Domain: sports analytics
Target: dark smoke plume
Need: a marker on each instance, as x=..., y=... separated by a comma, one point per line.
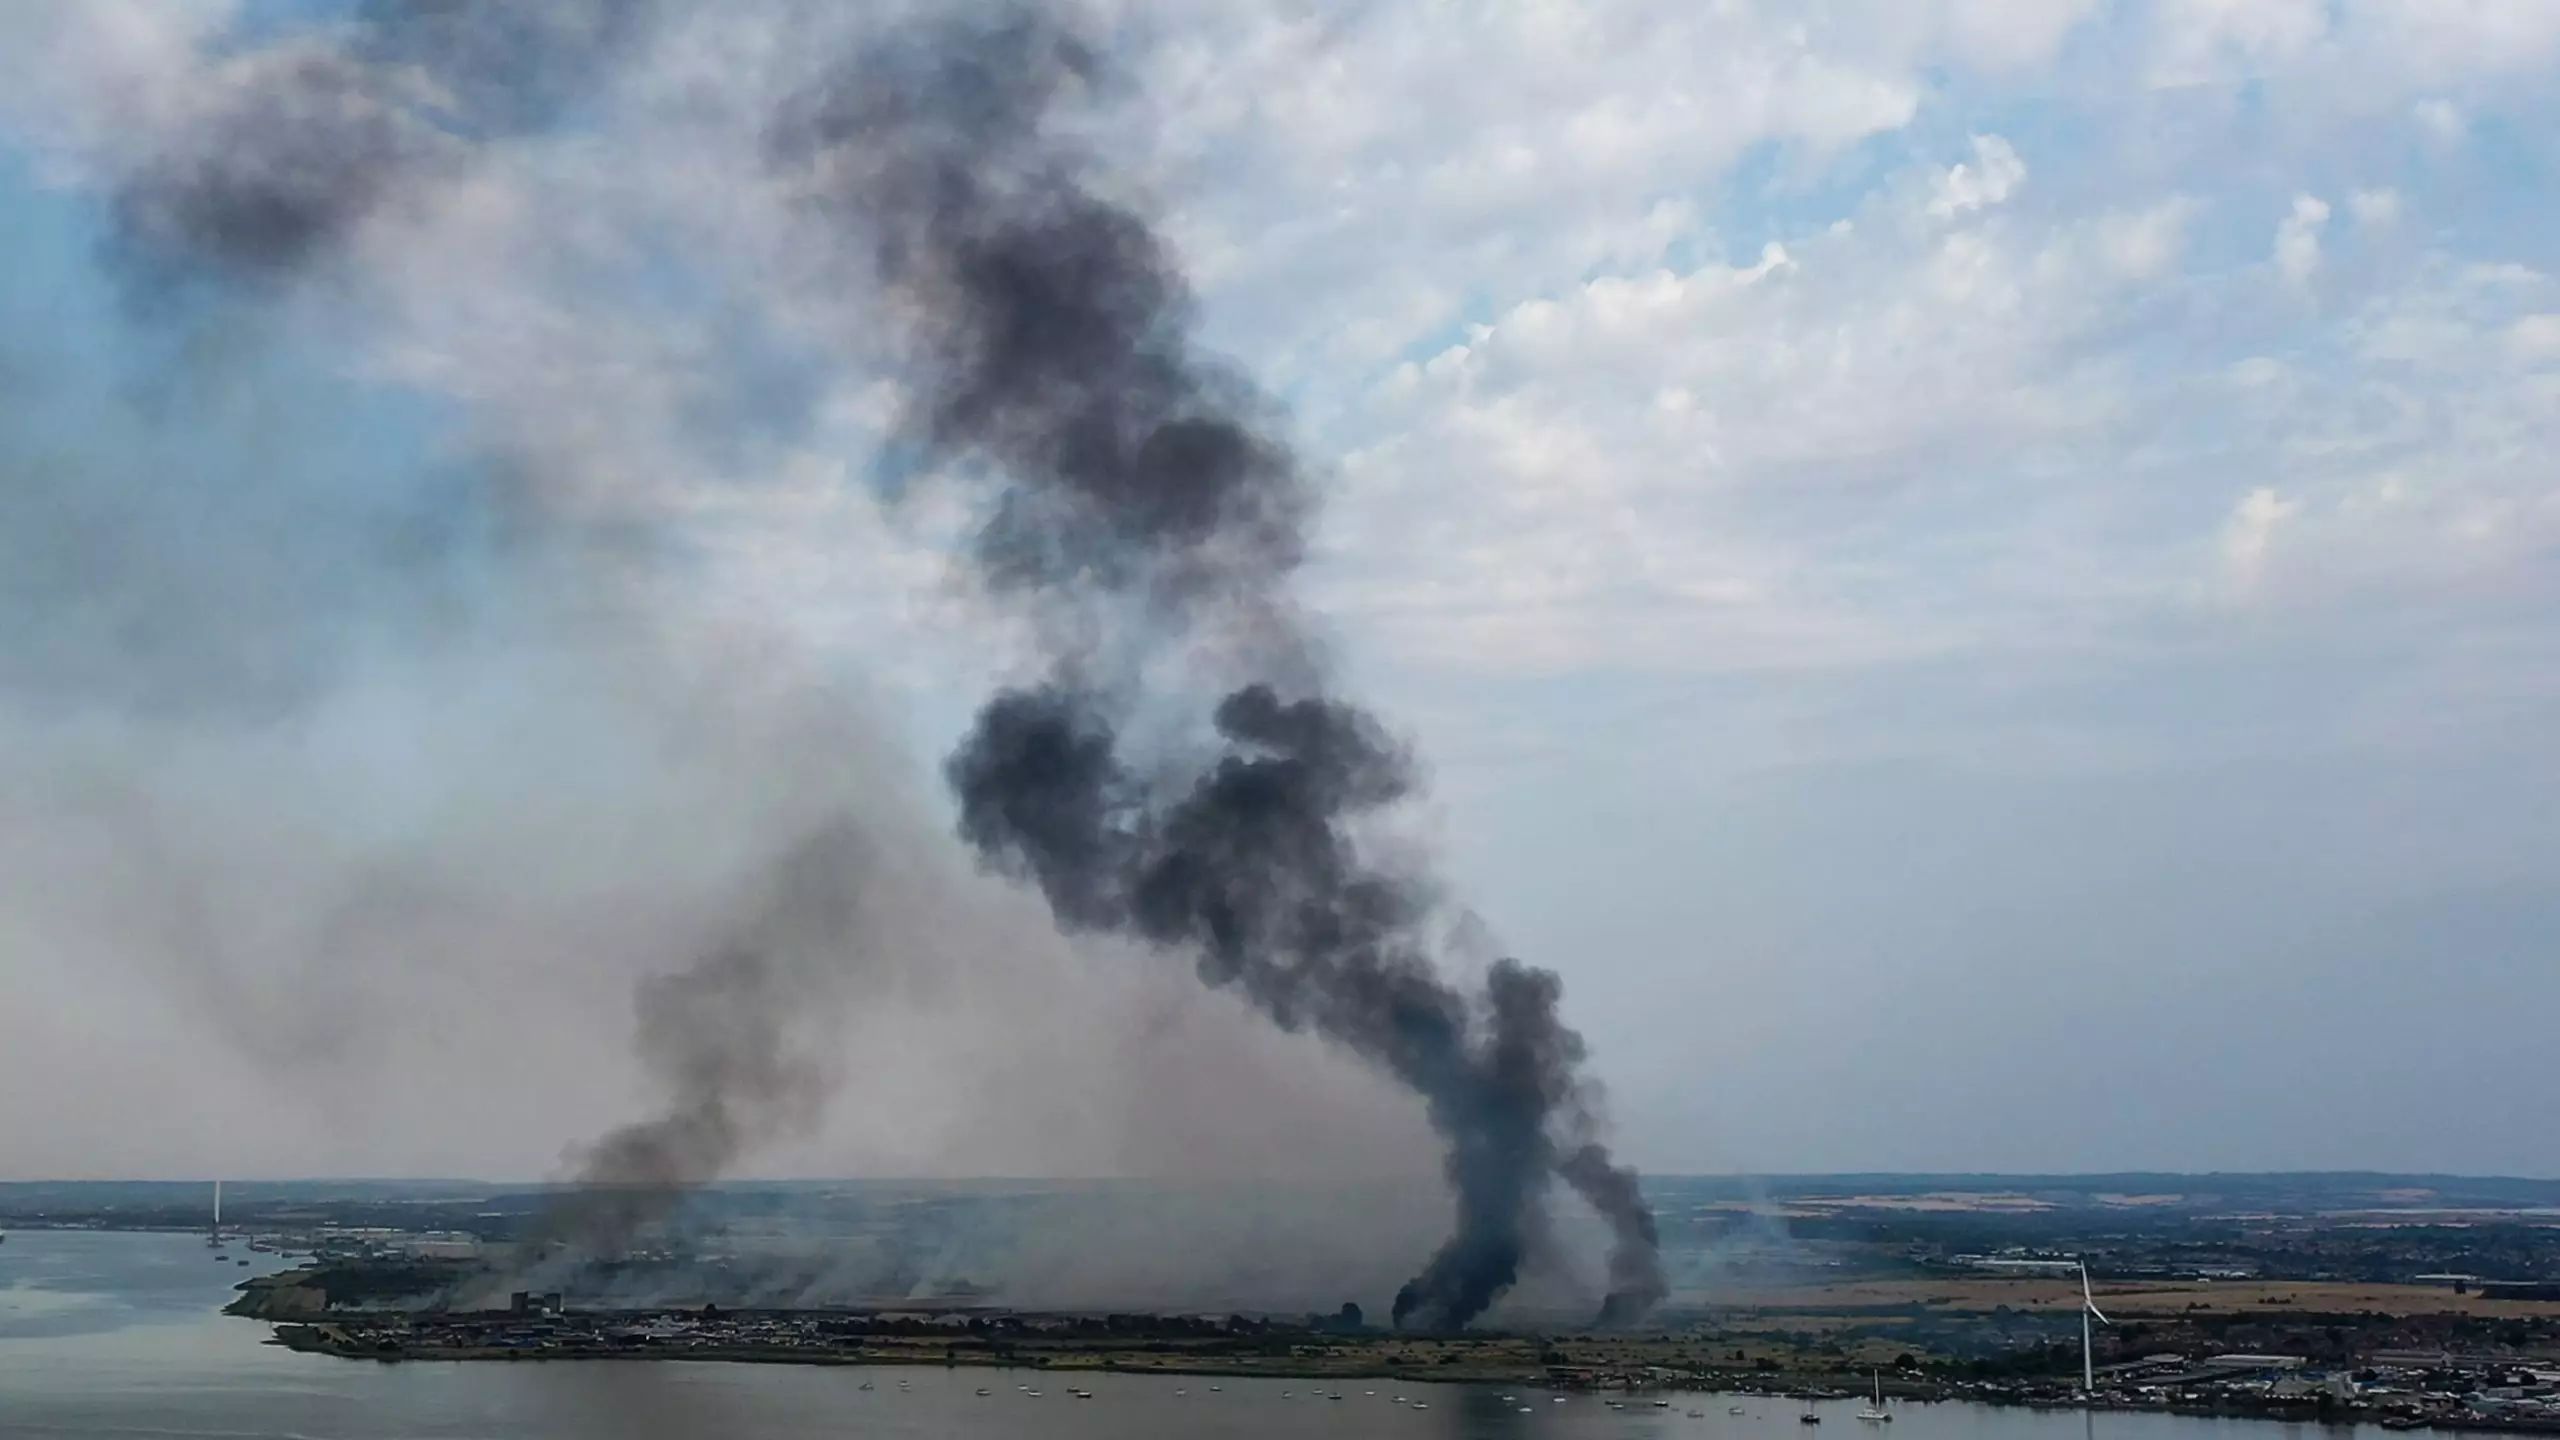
x=724, y=1038
x=300, y=141
x=1140, y=500
x=1138, y=485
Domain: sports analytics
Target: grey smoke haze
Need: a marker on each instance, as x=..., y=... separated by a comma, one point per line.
x=298, y=141
x=305, y=139
x=728, y=1038
x=1141, y=499
x=801, y=906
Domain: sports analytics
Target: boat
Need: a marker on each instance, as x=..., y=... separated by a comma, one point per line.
x=1418, y=1405
x=1733, y=1409
x=1875, y=1413
x=865, y=1385
x=1808, y=1417
x=1697, y=1414
x=1661, y=1404
x=985, y=1391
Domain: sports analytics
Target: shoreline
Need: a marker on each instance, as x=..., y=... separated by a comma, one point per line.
x=337, y=1341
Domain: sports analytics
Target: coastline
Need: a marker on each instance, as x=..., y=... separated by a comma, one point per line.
x=339, y=1340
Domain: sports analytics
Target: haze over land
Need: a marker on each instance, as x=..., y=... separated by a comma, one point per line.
x=1977, y=577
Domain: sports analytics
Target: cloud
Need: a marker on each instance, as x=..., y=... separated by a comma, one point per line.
x=2251, y=532
x=2375, y=207
x=2297, y=252
x=1723, y=370
x=2013, y=34
x=2440, y=120
x=2211, y=39
x=2145, y=244
x=1993, y=174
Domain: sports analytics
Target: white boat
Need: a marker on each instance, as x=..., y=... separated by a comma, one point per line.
x=1875, y=1413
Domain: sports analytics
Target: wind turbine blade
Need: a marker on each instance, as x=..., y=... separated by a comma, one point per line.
x=2101, y=1314
x=2086, y=1298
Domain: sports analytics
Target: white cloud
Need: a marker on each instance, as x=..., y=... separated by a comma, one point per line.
x=2012, y=34
x=2297, y=252
x=2144, y=244
x=2251, y=532
x=2213, y=39
x=2440, y=120
x=1994, y=173
x=2535, y=339
x=2375, y=207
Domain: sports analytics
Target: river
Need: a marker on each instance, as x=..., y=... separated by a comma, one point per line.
x=117, y=1335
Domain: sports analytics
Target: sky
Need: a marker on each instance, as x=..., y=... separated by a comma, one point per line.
x=1976, y=575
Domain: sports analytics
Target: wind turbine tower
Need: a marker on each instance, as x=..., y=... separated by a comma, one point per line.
x=2088, y=1311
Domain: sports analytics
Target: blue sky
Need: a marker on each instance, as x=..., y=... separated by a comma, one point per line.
x=1978, y=575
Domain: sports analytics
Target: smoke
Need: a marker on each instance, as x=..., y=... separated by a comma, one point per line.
x=1140, y=499
x=294, y=144
x=1180, y=773
x=266, y=170
x=728, y=1039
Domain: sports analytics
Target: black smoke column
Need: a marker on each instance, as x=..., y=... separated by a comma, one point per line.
x=1140, y=505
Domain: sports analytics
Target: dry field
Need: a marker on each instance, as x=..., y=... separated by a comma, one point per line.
x=2163, y=1299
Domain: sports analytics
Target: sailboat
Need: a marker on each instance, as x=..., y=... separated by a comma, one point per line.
x=213, y=1237
x=1875, y=1413
x=1808, y=1417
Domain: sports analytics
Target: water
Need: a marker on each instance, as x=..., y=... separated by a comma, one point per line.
x=117, y=1336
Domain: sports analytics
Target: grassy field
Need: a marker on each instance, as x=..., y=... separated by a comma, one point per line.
x=2166, y=1299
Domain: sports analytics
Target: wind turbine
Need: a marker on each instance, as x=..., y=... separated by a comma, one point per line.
x=2088, y=1310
